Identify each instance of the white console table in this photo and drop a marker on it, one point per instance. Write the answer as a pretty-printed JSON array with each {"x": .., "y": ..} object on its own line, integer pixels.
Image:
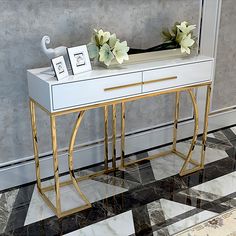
[{"x": 104, "y": 87}]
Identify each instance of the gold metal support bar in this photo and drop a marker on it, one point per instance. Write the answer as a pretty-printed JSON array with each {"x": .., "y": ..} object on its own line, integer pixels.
[
  {"x": 161, "y": 154},
  {"x": 78, "y": 179},
  {"x": 129, "y": 99},
  {"x": 122, "y": 86},
  {"x": 114, "y": 136},
  {"x": 64, "y": 213},
  {"x": 190, "y": 171},
  {"x": 41, "y": 107},
  {"x": 35, "y": 143},
  {"x": 159, "y": 80},
  {"x": 106, "y": 137},
  {"x": 49, "y": 203},
  {"x": 204, "y": 136},
  {"x": 55, "y": 163},
  {"x": 122, "y": 162},
  {"x": 183, "y": 170},
  {"x": 140, "y": 83},
  {"x": 70, "y": 158},
  {"x": 176, "y": 117},
  {"x": 183, "y": 156}
]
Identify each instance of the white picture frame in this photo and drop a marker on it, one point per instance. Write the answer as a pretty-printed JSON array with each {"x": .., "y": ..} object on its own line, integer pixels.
[
  {"x": 59, "y": 67},
  {"x": 79, "y": 59}
]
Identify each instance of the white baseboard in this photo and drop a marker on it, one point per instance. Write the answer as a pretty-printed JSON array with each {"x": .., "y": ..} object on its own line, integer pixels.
[
  {"x": 25, "y": 172},
  {"x": 223, "y": 119}
]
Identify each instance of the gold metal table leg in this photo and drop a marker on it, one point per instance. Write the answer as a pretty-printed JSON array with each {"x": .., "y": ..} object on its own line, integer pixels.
[
  {"x": 184, "y": 170},
  {"x": 176, "y": 120},
  {"x": 114, "y": 136},
  {"x": 35, "y": 143},
  {"x": 55, "y": 163},
  {"x": 204, "y": 136},
  {"x": 70, "y": 160},
  {"x": 106, "y": 137},
  {"x": 122, "y": 163}
]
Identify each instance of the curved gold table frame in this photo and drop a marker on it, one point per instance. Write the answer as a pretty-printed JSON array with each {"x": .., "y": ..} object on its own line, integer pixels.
[{"x": 74, "y": 180}]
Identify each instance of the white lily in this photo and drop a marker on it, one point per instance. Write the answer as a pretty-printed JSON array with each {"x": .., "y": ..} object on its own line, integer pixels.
[
  {"x": 102, "y": 36},
  {"x": 185, "y": 28},
  {"x": 112, "y": 41},
  {"x": 186, "y": 43},
  {"x": 105, "y": 54},
  {"x": 120, "y": 51}
]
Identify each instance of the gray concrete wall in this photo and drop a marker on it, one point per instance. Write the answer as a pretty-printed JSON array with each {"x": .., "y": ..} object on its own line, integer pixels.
[
  {"x": 70, "y": 23},
  {"x": 224, "y": 93}
]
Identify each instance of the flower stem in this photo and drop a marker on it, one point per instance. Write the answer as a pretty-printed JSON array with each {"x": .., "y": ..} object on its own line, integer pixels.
[{"x": 163, "y": 46}]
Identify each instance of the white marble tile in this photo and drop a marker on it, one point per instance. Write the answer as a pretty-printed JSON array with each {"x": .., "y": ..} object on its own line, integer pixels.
[
  {"x": 170, "y": 165},
  {"x": 164, "y": 167},
  {"x": 233, "y": 129},
  {"x": 120, "y": 225},
  {"x": 220, "y": 186},
  {"x": 190, "y": 221},
  {"x": 172, "y": 209},
  {"x": 212, "y": 154},
  {"x": 211, "y": 135},
  {"x": 94, "y": 190}
]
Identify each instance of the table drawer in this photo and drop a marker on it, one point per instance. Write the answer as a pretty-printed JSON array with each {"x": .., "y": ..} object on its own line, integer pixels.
[
  {"x": 75, "y": 94},
  {"x": 176, "y": 76}
]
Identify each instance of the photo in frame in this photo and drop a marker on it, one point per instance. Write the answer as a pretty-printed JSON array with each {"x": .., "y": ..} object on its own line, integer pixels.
[
  {"x": 59, "y": 67},
  {"x": 79, "y": 59}
]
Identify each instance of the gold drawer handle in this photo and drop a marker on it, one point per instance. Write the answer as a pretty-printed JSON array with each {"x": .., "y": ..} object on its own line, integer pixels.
[
  {"x": 123, "y": 86},
  {"x": 140, "y": 83},
  {"x": 159, "y": 80}
]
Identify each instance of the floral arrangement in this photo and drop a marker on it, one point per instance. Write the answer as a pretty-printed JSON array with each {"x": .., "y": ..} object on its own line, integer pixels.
[
  {"x": 106, "y": 47},
  {"x": 181, "y": 35}
]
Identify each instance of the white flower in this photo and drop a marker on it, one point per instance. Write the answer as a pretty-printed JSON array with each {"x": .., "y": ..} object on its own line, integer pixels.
[
  {"x": 120, "y": 51},
  {"x": 105, "y": 54},
  {"x": 101, "y": 37},
  {"x": 185, "y": 28},
  {"x": 112, "y": 41},
  {"x": 186, "y": 43}
]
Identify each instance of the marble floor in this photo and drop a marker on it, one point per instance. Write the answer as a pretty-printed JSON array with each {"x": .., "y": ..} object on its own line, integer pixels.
[{"x": 149, "y": 198}]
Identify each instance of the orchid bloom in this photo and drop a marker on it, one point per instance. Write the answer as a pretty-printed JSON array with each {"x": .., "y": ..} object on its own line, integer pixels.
[
  {"x": 105, "y": 54},
  {"x": 120, "y": 51},
  {"x": 185, "y": 28},
  {"x": 186, "y": 43},
  {"x": 102, "y": 37}
]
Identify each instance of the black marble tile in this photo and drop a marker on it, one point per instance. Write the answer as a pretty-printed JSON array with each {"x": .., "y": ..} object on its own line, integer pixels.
[
  {"x": 146, "y": 172},
  {"x": 20, "y": 208},
  {"x": 175, "y": 219},
  {"x": 156, "y": 213},
  {"x": 161, "y": 232},
  {"x": 141, "y": 220},
  {"x": 230, "y": 136},
  {"x": 213, "y": 206}
]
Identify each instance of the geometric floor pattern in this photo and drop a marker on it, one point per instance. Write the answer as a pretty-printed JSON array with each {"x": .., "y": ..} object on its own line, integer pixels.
[
  {"x": 149, "y": 198},
  {"x": 222, "y": 224}
]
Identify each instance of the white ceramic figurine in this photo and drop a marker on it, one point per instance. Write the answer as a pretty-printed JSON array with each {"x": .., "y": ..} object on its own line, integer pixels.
[{"x": 50, "y": 52}]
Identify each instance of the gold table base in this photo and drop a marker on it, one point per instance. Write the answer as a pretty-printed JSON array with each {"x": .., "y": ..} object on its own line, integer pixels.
[{"x": 74, "y": 181}]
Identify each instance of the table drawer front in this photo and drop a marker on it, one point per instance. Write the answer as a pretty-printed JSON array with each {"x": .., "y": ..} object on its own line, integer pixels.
[
  {"x": 79, "y": 93},
  {"x": 176, "y": 76}
]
